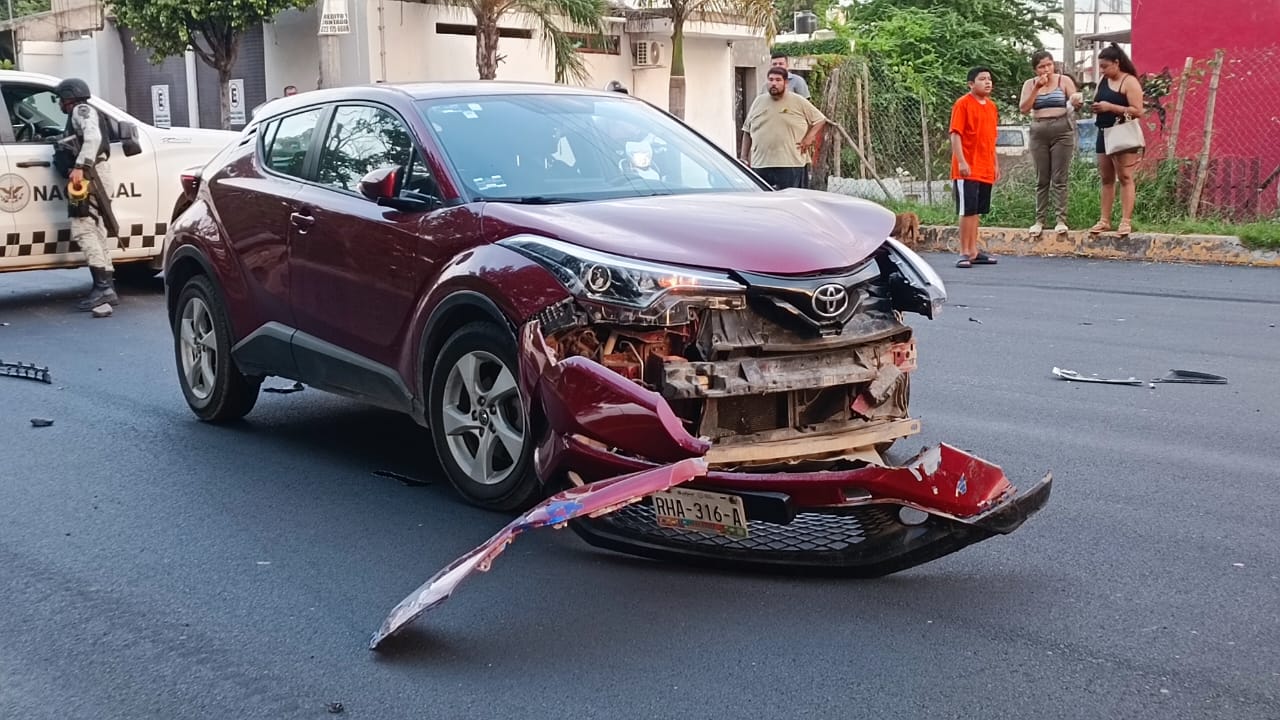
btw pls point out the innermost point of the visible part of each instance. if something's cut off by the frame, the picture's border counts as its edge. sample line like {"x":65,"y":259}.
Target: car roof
{"x":22,"y":76}
{"x":426,"y":91}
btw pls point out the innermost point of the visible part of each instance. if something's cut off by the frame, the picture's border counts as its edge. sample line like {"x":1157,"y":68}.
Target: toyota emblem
{"x":830,"y":300}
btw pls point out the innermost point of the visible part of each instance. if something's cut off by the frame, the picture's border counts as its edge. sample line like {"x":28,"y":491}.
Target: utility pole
{"x":13,"y":35}
{"x":1069,"y":36}
{"x":334,"y":23}
{"x":1097,"y":19}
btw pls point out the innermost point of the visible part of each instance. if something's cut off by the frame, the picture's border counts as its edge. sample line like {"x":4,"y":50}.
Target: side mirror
{"x":127,"y":133}
{"x":384,"y":185}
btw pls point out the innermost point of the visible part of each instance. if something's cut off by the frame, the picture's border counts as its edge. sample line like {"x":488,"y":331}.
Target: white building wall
{"x":111,"y":65}
{"x":708,"y":91}
{"x":402,"y":37}
{"x":97,"y":59}
{"x":291,"y":52}
{"x":1084,"y":25}
{"x":42,"y":56}
{"x":424,"y":54}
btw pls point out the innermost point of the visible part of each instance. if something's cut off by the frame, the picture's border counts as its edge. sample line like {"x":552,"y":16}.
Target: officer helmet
{"x":615,"y":86}
{"x":72,"y":90}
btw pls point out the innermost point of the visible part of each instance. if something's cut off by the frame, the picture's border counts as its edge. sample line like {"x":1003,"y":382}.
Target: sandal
{"x":1124,"y":229}
{"x":1101,"y":227}
{"x":984,"y":259}
{"x":964,"y":262}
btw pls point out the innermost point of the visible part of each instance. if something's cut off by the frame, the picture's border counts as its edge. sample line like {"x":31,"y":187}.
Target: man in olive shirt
{"x":780,"y":130}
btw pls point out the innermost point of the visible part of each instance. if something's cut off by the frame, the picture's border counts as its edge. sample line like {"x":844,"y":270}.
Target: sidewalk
{"x":1149,"y":247}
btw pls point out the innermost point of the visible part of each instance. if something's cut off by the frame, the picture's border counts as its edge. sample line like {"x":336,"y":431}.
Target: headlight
{"x":631,"y":290}
{"x":927,"y":286}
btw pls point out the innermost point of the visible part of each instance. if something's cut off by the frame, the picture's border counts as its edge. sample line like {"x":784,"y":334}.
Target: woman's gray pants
{"x":1053,"y":144}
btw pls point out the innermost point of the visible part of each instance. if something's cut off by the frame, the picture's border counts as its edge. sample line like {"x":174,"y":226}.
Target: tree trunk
{"x":224,"y":93}
{"x":486,"y":46}
{"x":675,"y":94}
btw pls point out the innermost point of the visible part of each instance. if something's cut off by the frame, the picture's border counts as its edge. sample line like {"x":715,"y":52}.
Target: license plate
{"x":702,"y":511}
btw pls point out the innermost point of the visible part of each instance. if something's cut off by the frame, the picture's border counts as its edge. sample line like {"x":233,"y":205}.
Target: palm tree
{"x":568,"y":63}
{"x":755,"y":13}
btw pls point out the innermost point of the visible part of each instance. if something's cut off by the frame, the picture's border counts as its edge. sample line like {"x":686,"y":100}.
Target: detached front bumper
{"x":856,"y":517}
{"x":620,"y":445}
{"x":869,"y":534}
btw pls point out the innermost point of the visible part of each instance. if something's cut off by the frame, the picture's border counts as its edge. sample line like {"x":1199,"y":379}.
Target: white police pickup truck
{"x":146,"y":170}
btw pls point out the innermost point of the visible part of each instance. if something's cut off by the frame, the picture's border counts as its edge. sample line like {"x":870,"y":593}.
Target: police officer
{"x":83,"y":154}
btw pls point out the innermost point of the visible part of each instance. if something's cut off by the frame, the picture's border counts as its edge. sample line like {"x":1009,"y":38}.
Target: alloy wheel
{"x":199,"y":349}
{"x":483,"y":419}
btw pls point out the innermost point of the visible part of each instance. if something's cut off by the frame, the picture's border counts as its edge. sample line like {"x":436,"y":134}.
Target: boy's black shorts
{"x":972,"y":197}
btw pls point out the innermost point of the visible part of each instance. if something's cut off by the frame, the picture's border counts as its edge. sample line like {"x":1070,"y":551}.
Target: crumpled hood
{"x":793,"y":232}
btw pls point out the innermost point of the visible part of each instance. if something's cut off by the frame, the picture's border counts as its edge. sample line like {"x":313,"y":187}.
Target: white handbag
{"x":1124,"y":136}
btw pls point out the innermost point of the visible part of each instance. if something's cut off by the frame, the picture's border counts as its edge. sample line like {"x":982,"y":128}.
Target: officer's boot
{"x":104,"y":290}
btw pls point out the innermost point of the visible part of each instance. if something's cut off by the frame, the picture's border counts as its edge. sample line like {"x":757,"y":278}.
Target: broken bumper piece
{"x":580,"y":502}
{"x":867,"y":522}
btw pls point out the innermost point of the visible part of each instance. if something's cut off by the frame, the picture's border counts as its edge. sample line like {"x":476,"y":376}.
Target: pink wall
{"x":1166,"y":31}
{"x":1247,"y":114}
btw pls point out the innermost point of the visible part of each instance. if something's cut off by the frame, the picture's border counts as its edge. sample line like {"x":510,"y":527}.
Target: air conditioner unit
{"x":648,"y":54}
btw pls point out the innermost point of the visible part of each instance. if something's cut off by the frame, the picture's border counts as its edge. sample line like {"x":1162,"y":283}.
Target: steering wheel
{"x":27,"y":132}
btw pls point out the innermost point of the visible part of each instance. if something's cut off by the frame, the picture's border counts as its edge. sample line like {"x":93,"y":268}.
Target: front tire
{"x":214,"y":387}
{"x":478,"y":425}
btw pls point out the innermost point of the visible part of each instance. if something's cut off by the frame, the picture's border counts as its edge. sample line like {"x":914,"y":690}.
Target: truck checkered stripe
{"x":42,"y":243}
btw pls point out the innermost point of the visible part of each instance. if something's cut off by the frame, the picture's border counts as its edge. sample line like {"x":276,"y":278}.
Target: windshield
{"x":1009,"y":138}
{"x":565,"y":148}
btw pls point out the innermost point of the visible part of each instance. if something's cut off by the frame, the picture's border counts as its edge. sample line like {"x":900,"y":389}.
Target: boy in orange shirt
{"x":974,"y":169}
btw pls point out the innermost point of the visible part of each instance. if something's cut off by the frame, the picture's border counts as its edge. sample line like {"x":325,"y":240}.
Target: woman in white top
{"x":1052,"y":100}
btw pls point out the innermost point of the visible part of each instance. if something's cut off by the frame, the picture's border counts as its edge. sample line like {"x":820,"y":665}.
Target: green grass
{"x":1157,"y":208}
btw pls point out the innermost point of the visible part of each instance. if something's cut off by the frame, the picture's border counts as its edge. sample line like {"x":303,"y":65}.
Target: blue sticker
{"x":563,"y":510}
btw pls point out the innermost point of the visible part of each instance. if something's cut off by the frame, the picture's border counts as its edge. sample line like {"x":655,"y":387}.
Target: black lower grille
{"x":808,"y":533}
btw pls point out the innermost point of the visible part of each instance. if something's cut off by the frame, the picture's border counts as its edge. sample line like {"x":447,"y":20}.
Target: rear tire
{"x":476,"y":414}
{"x":214,"y":387}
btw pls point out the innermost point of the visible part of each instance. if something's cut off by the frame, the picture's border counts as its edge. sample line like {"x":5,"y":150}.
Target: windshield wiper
{"x":532,"y":200}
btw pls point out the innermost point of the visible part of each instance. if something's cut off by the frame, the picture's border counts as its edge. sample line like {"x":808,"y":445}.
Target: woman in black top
{"x":1119,"y":96}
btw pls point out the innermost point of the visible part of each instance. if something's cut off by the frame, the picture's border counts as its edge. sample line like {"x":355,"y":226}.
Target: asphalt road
{"x":155,"y":567}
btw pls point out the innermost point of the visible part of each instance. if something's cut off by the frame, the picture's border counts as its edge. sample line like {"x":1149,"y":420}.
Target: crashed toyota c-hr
{"x":593,"y":310}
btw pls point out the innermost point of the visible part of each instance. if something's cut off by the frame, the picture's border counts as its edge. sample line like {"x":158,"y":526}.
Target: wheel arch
{"x":457,"y":310}
{"x":185,"y":263}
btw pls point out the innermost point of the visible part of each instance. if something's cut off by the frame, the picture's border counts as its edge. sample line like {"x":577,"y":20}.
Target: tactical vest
{"x":68,"y":148}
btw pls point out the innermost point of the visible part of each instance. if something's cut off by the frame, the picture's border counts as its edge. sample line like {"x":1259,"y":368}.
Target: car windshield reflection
{"x":546,"y":149}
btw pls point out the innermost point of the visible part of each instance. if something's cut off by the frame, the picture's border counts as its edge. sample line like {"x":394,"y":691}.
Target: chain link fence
{"x":887,"y":141}
{"x":1212,"y":130}
{"x":1214,"y":134}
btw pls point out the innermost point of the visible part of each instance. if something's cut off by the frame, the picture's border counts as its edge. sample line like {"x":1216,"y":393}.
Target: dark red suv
{"x":564,"y":286}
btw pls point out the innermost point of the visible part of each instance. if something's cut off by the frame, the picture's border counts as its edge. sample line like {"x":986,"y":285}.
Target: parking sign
{"x":160,"y":114}
{"x":236,"y":88}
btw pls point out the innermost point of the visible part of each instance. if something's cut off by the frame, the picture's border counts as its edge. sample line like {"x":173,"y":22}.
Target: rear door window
{"x":287,"y":141}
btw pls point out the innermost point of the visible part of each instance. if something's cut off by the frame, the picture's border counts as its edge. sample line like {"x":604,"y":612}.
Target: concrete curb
{"x":1149,"y":247}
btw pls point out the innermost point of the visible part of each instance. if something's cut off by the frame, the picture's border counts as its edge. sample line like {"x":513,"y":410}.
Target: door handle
{"x":302,"y":221}
{"x":35,"y":163}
